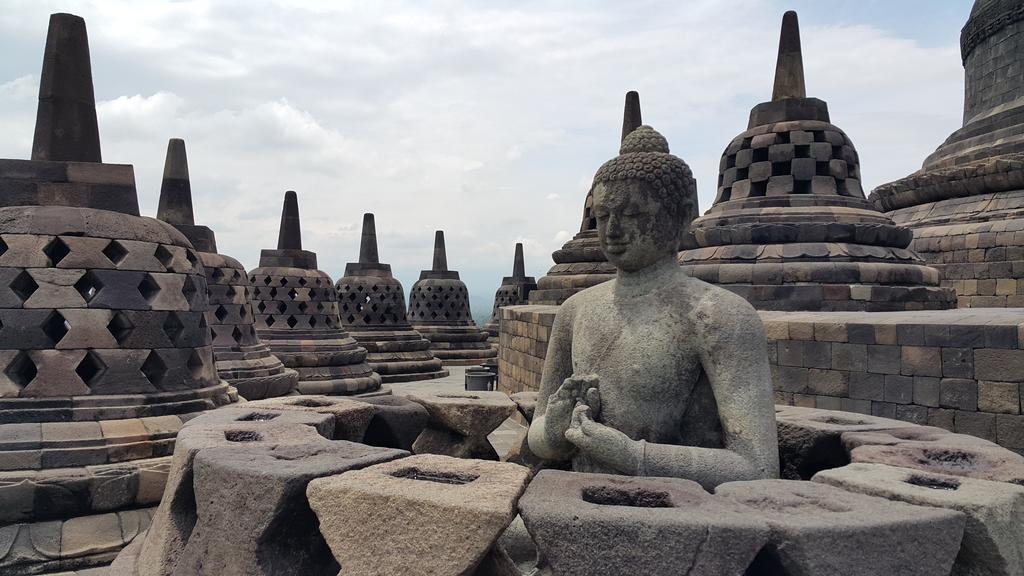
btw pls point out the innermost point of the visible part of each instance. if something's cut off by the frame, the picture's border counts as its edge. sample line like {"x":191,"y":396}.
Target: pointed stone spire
{"x":66,"y":128}
{"x":519,"y":266}
{"x":789,"y":69}
{"x":290,"y":236}
{"x":176,"y":192}
{"x":368,"y":242}
{"x":631,"y":119}
{"x":440,"y":257}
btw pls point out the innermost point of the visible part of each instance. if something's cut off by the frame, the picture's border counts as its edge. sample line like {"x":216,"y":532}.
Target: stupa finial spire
{"x":440,"y":257}
{"x":789,"y":69}
{"x":66,"y":128}
{"x":368,"y":241}
{"x":519,"y":266}
{"x":290,"y":236}
{"x":175,"y":205}
{"x":631,"y":119}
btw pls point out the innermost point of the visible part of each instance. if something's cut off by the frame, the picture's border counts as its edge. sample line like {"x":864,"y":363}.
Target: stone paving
{"x":502,"y":439}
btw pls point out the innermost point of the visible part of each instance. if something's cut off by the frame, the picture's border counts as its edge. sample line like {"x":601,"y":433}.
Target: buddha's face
{"x":635,"y":229}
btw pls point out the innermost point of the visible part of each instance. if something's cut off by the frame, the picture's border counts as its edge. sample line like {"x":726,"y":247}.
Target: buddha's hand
{"x":558,"y":413}
{"x":603,"y":443}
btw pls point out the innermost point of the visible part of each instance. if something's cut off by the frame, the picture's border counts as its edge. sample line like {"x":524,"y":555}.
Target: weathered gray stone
{"x":424,"y":514}
{"x":351,"y":417}
{"x":621,"y":353}
{"x":252,"y":514}
{"x":810,"y":439}
{"x":580,"y":522}
{"x":396,"y":423}
{"x":993,"y":540}
{"x":920,"y":435}
{"x":982,"y":462}
{"x":460,"y":422}
{"x":818,"y":529}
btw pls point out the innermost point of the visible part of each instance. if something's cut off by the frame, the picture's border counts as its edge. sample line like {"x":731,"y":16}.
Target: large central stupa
{"x":791,"y":228}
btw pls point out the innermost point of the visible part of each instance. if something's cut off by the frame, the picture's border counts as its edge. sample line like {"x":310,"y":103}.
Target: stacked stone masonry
{"x":962,"y":370}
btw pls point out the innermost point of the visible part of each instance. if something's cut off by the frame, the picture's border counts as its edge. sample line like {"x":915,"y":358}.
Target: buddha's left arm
{"x":735,"y":360}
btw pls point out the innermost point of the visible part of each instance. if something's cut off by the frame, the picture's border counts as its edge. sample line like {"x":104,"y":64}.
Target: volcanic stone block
{"x":580,"y":522}
{"x":177,"y":516}
{"x":918,"y":435}
{"x":351,"y":417}
{"x":982,"y":462}
{"x":993,"y":540}
{"x":396,"y":423}
{"x":459,"y":423}
{"x":810,"y":440}
{"x":818,"y":529}
{"x":424,"y":514}
{"x":526,"y":402}
{"x":246,"y":412}
{"x":252,"y":513}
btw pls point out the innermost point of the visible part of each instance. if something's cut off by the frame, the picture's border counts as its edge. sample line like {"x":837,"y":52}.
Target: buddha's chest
{"x":652,"y":355}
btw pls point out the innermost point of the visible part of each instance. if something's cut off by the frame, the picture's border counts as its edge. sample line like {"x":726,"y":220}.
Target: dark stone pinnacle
{"x":175,"y":205}
{"x":519,"y":266}
{"x":290,"y":236}
{"x":440,"y":257}
{"x":368,"y":242}
{"x":789,"y":68}
{"x":631,"y":119}
{"x":66,"y":128}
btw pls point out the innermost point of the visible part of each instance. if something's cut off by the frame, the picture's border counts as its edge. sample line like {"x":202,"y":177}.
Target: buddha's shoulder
{"x":712,"y":304}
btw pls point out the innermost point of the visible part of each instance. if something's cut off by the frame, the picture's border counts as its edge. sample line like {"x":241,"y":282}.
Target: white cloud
{"x":465,"y":116}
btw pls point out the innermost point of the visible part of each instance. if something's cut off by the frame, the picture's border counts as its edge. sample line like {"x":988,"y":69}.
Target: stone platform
{"x":960,"y":370}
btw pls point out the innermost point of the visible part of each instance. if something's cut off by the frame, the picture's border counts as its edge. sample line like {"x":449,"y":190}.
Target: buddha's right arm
{"x":547,"y":439}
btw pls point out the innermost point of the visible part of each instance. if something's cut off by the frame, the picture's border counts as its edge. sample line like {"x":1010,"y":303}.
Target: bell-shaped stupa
{"x":791,"y":228}
{"x":514,"y":291}
{"x":296,"y":311}
{"x":104,"y":347}
{"x":580,"y":263}
{"x":966,"y":203}
{"x":439,"y":310}
{"x":242,"y":359}
{"x":372,"y":307}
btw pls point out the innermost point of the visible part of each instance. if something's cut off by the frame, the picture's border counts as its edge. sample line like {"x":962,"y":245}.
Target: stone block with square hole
{"x":426,"y":514}
{"x":608,"y":524}
{"x":235,"y":501}
{"x":459,"y":422}
{"x":819,"y":529}
{"x":993,"y":540}
{"x":351,"y":417}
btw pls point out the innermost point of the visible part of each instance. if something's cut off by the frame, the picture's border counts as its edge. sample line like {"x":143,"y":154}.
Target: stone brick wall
{"x":522,"y":345}
{"x":958,"y":369}
{"x":961,"y":370}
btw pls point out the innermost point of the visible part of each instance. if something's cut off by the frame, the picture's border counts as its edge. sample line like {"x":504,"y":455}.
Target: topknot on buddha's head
{"x":644,"y":156}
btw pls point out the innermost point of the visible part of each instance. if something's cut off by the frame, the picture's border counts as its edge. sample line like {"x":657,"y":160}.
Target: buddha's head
{"x":644,"y":200}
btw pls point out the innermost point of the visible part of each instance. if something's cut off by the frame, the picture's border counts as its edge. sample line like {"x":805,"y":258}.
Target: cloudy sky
{"x":486,"y":119}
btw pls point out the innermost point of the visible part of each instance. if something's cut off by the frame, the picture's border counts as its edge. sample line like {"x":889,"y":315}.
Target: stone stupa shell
{"x":296,"y":313}
{"x":515,"y":290}
{"x":966,"y":203}
{"x":104,"y":346}
{"x":372,"y":307}
{"x":241,"y":358}
{"x":790,"y":228}
{"x":439,"y":310}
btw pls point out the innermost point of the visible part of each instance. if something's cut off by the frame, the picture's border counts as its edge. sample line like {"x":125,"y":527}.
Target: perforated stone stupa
{"x":242,"y":359}
{"x":104,"y":349}
{"x":514,"y":291}
{"x":580,"y":263}
{"x":966,"y":203}
{"x":372,"y":306}
{"x":791,"y":228}
{"x":439,"y":309}
{"x":296,"y":311}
